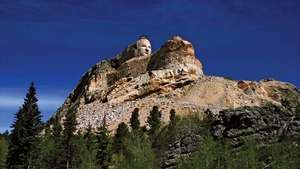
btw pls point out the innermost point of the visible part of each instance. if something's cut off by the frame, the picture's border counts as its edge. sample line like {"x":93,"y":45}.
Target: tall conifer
{"x":103,"y":146}
{"x":58,"y":151}
{"x":134,"y":120}
{"x":25,"y":130}
{"x":154,"y":121}
{"x":172,"y":125}
{"x":69,"y":146}
{"x":120,"y":138}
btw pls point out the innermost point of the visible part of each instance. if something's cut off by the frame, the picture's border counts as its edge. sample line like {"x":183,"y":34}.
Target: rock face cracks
{"x":268,"y":122}
{"x":266,"y":125}
{"x":171,"y":78}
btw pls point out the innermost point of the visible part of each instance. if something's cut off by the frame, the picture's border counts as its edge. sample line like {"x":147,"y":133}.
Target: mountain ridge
{"x":171,"y":78}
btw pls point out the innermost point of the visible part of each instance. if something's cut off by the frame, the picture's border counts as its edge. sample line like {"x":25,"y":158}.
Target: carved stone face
{"x":143,"y":47}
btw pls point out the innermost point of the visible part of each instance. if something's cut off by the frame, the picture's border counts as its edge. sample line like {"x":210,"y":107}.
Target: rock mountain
{"x":170,"y":78}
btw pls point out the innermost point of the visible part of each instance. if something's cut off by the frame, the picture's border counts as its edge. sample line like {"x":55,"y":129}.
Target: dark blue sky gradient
{"x":53,"y":43}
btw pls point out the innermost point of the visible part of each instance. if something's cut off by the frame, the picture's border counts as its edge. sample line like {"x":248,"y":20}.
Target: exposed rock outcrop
{"x":262,"y":123}
{"x":170,"y":78}
{"x":182,"y":147}
{"x":265,"y":125}
{"x":178,"y":55}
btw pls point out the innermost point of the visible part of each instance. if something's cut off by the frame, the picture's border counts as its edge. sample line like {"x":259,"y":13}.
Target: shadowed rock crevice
{"x":268,"y":122}
{"x":235,"y":128}
{"x":171,"y":78}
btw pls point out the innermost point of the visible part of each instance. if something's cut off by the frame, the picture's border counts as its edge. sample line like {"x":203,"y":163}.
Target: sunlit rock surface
{"x":171,"y":78}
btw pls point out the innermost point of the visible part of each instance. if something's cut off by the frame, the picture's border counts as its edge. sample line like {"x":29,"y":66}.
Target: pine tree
{"x":24,"y":137}
{"x":154,"y":121}
{"x":3,"y":150}
{"x":120,"y":138}
{"x":139,"y":154}
{"x":134,"y":120}
{"x":103,"y":155}
{"x":15,"y":157}
{"x":57,"y":131}
{"x":69,"y":147}
{"x":46,"y":154}
{"x":89,"y":138}
{"x":172,"y":125}
{"x":88,"y":154}
{"x":172,"y":117}
{"x":58,"y":150}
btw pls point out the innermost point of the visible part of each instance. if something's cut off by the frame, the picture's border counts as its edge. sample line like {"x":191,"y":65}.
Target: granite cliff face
{"x":171,"y":78}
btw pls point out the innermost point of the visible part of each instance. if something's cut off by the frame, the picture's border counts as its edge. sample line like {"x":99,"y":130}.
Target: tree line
{"x":58,"y":145}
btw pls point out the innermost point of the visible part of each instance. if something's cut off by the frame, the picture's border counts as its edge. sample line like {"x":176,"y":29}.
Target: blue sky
{"x":54,"y":42}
